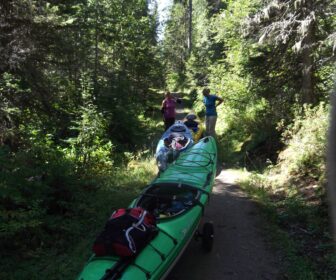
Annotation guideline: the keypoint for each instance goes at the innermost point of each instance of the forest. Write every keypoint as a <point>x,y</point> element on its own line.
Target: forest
<point>81,85</point>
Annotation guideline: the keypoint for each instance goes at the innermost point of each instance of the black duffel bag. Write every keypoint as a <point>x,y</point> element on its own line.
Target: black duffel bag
<point>126,233</point>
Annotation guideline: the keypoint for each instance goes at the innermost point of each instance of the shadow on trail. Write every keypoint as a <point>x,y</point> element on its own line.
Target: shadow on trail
<point>240,250</point>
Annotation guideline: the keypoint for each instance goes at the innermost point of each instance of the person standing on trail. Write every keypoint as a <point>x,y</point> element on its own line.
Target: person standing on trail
<point>210,102</point>
<point>168,109</point>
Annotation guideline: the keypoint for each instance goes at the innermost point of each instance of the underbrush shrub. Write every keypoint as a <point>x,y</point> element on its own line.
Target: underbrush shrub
<point>305,142</point>
<point>140,170</point>
<point>36,182</point>
<point>245,133</point>
<point>300,172</point>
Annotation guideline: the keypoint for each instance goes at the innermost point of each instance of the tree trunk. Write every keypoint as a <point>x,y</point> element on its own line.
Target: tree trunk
<point>190,27</point>
<point>308,95</point>
<point>95,74</point>
<point>331,163</point>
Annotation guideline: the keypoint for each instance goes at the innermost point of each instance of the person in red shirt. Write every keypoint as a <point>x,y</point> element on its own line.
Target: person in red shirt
<point>168,109</point>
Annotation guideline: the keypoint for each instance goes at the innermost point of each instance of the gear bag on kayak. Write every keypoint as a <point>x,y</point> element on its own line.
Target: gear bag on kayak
<point>126,233</point>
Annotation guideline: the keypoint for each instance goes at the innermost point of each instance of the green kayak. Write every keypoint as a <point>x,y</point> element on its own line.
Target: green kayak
<point>177,197</point>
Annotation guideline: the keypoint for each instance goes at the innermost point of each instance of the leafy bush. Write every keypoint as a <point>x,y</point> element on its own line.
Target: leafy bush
<point>306,143</point>
<point>35,182</point>
<point>89,149</point>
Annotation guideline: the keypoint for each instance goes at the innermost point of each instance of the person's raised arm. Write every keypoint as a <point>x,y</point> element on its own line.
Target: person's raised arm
<point>220,100</point>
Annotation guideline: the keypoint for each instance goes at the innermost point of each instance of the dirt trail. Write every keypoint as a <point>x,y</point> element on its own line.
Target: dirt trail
<point>240,250</point>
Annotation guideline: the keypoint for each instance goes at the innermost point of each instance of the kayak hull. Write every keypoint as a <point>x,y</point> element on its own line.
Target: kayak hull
<point>175,229</point>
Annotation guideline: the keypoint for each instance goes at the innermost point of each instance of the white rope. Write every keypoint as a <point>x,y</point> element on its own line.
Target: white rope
<point>140,226</point>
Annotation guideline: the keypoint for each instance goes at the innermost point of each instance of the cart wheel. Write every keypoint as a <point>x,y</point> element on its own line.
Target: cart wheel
<point>207,237</point>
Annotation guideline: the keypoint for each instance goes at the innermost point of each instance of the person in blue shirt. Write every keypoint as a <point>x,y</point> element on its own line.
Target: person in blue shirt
<point>211,102</point>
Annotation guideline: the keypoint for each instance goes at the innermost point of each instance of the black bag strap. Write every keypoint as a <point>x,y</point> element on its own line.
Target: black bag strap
<point>117,269</point>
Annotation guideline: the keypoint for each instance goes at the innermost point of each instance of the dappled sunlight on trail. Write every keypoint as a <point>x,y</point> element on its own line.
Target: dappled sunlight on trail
<point>230,176</point>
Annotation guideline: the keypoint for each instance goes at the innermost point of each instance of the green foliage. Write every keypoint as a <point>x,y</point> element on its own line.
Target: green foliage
<point>244,121</point>
<point>245,54</point>
<point>90,149</point>
<point>290,30</point>
<point>175,46</point>
<point>73,81</point>
<point>111,44</point>
<point>36,182</point>
<point>15,108</point>
<point>305,139</point>
<point>67,238</point>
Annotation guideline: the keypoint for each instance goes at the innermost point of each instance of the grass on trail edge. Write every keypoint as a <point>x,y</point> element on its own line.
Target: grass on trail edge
<point>297,266</point>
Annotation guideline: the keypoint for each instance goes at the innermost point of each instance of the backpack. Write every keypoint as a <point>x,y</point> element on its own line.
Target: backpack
<point>126,233</point>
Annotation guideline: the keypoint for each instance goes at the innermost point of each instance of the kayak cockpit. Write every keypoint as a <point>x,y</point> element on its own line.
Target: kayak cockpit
<point>167,200</point>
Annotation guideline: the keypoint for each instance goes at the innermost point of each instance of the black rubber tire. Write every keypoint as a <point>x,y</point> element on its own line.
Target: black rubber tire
<point>207,237</point>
